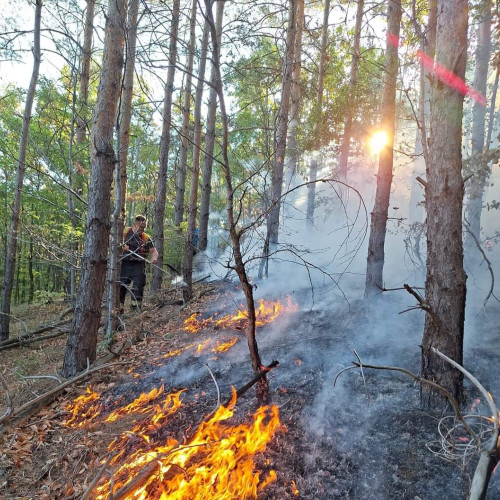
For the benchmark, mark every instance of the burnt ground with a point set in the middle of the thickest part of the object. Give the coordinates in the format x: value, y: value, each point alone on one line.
x: 364, y: 438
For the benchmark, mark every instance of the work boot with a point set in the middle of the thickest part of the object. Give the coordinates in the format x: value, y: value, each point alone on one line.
x: 135, y: 306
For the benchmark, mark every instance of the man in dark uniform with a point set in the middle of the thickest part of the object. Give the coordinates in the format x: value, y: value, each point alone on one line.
x: 136, y: 246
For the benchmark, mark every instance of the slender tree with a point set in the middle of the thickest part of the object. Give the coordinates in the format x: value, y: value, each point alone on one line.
x: 375, y: 260
x: 208, y: 158
x: 445, y: 281
x: 235, y: 233
x: 281, y: 133
x: 10, y: 260
x: 482, y: 169
x: 161, y: 185
x: 180, y: 185
x: 313, y: 167
x: 189, y: 247
x: 123, y: 140
x: 353, y: 80
x: 82, y: 340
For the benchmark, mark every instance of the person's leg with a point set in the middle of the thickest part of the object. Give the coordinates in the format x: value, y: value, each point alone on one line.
x: 139, y: 279
x: 125, y: 280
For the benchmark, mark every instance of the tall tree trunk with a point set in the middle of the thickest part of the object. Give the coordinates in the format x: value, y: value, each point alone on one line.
x: 82, y: 340
x: 313, y: 168
x: 123, y: 133
x: 80, y: 136
x: 180, y: 185
x: 281, y: 132
x: 353, y: 80
x: 491, y: 112
x: 263, y: 384
x: 375, y: 260
x: 445, y: 282
x: 208, y: 158
x: 10, y: 259
x: 428, y: 48
x: 295, y: 100
x: 161, y: 187
x: 189, y: 247
x: 483, y: 169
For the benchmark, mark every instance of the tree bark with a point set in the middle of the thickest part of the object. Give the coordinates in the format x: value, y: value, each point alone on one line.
x: 445, y: 282
x: 353, y: 80
x: 82, y: 340
x: 375, y: 260
x: 123, y: 132
x: 295, y: 100
x: 180, y: 185
x: 208, y: 158
x: 10, y: 258
x: 161, y: 187
x: 189, y: 247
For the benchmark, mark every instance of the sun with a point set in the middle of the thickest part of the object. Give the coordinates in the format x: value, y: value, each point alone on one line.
x: 378, y: 141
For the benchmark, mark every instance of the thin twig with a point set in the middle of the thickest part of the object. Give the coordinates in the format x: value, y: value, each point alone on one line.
x: 216, y: 384
x: 363, y: 376
x: 8, y: 410
x: 98, y: 476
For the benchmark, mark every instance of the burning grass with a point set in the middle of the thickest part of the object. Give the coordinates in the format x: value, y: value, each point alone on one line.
x: 266, y: 312
x: 217, y: 462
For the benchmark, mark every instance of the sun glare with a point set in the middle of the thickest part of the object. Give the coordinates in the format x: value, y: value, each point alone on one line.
x: 378, y: 141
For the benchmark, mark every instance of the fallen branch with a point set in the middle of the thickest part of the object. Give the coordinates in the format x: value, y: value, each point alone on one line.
x: 30, y: 340
x: 28, y: 335
x: 33, y: 403
x: 489, y: 457
x: 417, y: 378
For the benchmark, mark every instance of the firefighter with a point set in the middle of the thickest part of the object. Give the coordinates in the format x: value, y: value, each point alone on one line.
x: 136, y: 246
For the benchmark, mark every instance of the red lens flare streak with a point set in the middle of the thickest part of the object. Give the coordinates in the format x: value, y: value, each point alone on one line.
x: 443, y: 74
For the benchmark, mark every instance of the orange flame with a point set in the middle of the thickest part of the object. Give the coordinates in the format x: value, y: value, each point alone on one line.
x: 218, y: 462
x: 83, y: 409
x: 266, y: 312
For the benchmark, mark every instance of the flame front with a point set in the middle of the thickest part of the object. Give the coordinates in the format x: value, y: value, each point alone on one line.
x: 216, y: 463
x: 266, y: 312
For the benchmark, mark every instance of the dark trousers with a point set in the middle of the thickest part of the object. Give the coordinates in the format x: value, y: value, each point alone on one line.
x: 132, y: 272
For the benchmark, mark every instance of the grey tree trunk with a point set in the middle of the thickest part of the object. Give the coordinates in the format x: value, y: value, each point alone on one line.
x: 189, y: 247
x: 281, y: 133
x: 313, y: 167
x: 295, y: 101
x: 375, y: 260
x: 353, y: 80
x: 81, y: 133
x: 10, y: 257
x: 123, y: 132
x: 82, y: 340
x: 482, y: 169
x: 161, y: 187
x: 180, y: 185
x: 208, y: 158
x: 445, y: 281
x: 428, y: 48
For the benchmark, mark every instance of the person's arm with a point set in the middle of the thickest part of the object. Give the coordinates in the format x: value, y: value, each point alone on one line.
x: 154, y: 255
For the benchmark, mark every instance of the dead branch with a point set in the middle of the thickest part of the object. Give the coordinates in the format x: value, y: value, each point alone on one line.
x: 419, y: 379
x: 34, y: 403
x: 489, y: 457
x: 98, y: 476
x: 419, y: 179
x: 30, y: 340
x: 8, y: 410
x: 422, y: 303
x: 488, y: 263
x: 28, y: 335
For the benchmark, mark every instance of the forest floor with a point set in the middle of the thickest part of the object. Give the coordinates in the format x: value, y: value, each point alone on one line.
x: 364, y: 437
